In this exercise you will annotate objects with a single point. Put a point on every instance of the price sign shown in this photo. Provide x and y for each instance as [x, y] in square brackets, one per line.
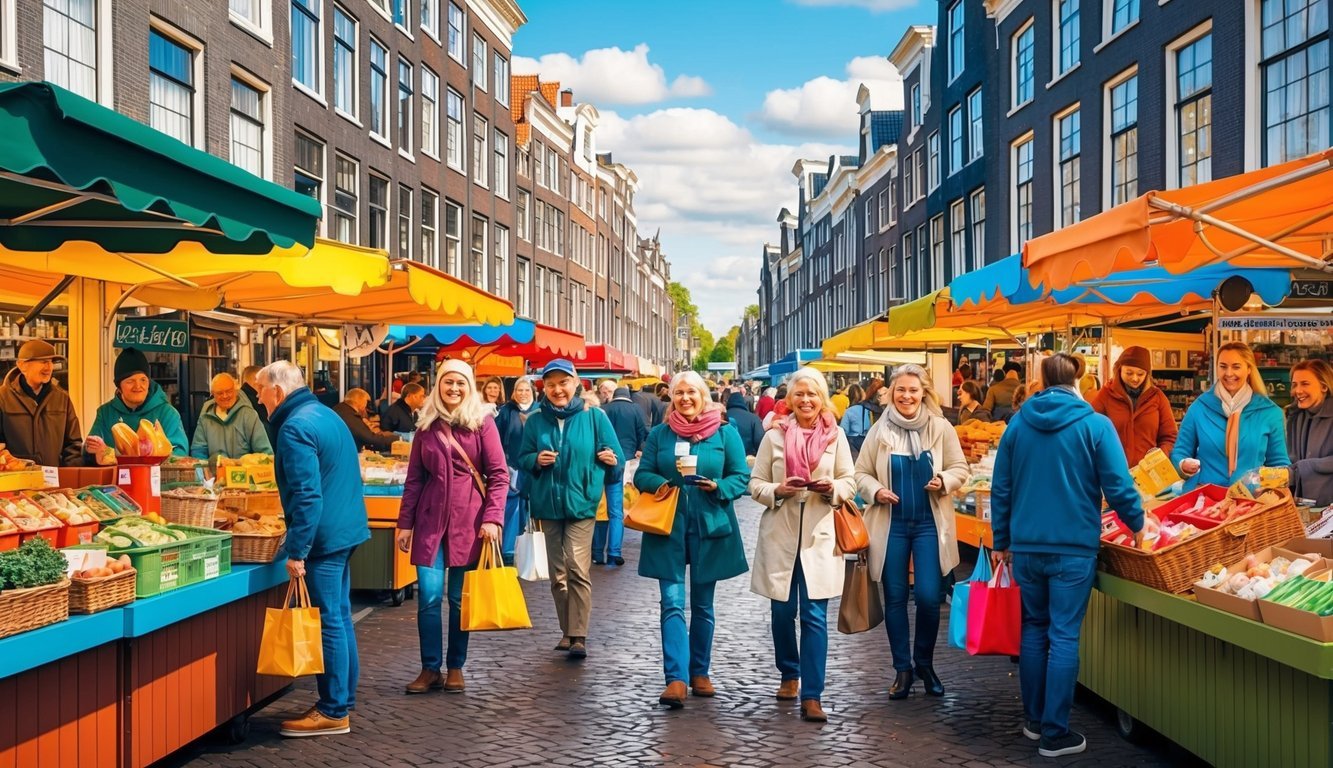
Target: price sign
[50, 477]
[211, 567]
[153, 335]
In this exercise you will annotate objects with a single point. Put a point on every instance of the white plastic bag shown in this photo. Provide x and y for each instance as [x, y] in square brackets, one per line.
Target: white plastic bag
[530, 554]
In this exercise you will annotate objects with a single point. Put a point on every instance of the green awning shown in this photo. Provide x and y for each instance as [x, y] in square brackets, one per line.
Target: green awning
[73, 170]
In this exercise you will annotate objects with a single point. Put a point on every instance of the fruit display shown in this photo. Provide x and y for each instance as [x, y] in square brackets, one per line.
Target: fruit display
[978, 437]
[68, 510]
[149, 440]
[132, 532]
[1219, 511]
[107, 502]
[377, 469]
[6, 525]
[113, 566]
[1304, 594]
[11, 463]
[27, 514]
[253, 470]
[267, 525]
[1253, 577]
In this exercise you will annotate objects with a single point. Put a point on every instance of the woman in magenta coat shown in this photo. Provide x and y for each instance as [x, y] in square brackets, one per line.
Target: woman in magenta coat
[453, 504]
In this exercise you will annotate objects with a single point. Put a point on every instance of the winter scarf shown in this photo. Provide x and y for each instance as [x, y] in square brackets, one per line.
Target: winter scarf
[903, 430]
[1232, 406]
[701, 428]
[801, 452]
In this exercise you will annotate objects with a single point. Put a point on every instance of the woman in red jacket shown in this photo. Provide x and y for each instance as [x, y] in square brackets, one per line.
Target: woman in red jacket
[1138, 409]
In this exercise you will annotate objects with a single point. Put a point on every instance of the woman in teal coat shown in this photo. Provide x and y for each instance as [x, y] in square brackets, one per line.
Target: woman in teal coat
[1233, 427]
[704, 535]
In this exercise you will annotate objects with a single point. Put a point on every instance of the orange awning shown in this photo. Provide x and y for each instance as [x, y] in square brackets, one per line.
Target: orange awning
[1280, 216]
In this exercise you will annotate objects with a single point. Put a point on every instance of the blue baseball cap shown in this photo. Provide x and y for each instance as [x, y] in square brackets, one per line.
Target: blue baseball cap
[559, 365]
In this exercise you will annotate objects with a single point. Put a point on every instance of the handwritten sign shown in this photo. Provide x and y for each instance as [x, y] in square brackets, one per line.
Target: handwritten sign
[153, 335]
[1311, 289]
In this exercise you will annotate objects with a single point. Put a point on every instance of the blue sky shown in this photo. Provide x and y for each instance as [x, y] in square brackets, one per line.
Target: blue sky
[711, 102]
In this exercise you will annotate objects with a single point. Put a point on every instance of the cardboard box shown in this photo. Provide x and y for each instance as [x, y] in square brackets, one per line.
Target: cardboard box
[1299, 622]
[1240, 606]
[1301, 547]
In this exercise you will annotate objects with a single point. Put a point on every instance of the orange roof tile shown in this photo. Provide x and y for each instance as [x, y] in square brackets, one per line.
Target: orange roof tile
[520, 86]
[552, 92]
[523, 135]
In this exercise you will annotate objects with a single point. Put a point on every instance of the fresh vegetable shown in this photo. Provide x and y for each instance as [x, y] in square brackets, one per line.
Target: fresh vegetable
[34, 564]
[149, 440]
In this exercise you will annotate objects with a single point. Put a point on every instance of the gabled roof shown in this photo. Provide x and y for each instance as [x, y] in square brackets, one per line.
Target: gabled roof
[519, 88]
[886, 127]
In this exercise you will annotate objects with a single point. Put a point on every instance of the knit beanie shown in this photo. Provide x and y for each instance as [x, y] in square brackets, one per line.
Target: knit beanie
[1137, 357]
[129, 362]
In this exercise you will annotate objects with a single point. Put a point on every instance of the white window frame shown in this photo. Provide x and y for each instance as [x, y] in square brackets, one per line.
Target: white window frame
[354, 114]
[460, 55]
[501, 248]
[933, 162]
[500, 65]
[103, 56]
[261, 29]
[958, 237]
[389, 91]
[407, 24]
[976, 130]
[430, 105]
[976, 204]
[1108, 139]
[480, 58]
[430, 19]
[404, 216]
[500, 152]
[454, 265]
[1015, 239]
[457, 159]
[1058, 41]
[9, 58]
[323, 176]
[315, 93]
[198, 116]
[479, 279]
[956, 162]
[957, 46]
[389, 189]
[1169, 114]
[1290, 52]
[1109, 30]
[333, 209]
[1014, 66]
[1057, 175]
[523, 215]
[430, 256]
[916, 106]
[937, 234]
[406, 129]
[481, 159]
[265, 115]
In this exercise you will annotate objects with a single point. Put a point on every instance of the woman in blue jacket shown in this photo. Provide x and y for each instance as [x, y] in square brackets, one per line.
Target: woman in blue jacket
[1233, 427]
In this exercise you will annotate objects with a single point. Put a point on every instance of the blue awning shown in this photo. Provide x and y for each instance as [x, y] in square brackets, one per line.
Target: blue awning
[519, 332]
[758, 373]
[793, 360]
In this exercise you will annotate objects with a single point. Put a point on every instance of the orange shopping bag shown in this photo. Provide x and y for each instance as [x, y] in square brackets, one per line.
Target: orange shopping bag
[291, 645]
[492, 597]
[654, 512]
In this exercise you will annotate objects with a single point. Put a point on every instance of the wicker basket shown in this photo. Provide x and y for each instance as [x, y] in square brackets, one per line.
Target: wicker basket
[1176, 568]
[183, 507]
[25, 609]
[251, 503]
[93, 595]
[256, 547]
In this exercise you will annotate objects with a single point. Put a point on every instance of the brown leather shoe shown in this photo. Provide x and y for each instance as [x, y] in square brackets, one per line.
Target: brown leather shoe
[315, 723]
[674, 695]
[429, 680]
[702, 687]
[812, 712]
[453, 682]
[789, 690]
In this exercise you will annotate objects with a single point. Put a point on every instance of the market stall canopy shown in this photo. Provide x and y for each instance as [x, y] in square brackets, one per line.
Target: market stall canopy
[71, 169]
[520, 331]
[548, 343]
[793, 360]
[1281, 216]
[758, 373]
[601, 357]
[875, 336]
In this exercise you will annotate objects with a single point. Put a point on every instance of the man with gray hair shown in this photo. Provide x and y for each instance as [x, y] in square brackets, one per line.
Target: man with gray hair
[352, 410]
[228, 425]
[319, 480]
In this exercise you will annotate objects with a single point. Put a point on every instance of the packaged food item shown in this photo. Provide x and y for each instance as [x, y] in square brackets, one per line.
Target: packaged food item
[1155, 473]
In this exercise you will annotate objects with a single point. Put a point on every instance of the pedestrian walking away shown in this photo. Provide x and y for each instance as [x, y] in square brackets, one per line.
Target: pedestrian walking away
[803, 472]
[510, 420]
[453, 504]
[319, 483]
[568, 452]
[910, 463]
[746, 423]
[631, 430]
[700, 456]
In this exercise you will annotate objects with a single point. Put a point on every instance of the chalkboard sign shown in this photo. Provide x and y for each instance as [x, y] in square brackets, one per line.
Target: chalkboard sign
[152, 335]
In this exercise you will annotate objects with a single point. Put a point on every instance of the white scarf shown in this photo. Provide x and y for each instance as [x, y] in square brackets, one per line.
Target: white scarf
[904, 431]
[1233, 403]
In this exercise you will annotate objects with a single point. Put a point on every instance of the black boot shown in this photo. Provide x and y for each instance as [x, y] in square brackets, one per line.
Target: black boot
[931, 681]
[902, 685]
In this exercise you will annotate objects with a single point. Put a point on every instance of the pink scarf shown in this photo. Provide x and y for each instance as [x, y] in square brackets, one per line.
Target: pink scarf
[803, 454]
[699, 430]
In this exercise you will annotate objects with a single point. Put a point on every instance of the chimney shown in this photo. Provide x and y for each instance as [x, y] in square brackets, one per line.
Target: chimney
[567, 98]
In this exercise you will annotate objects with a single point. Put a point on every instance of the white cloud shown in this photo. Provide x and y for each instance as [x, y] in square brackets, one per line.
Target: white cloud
[605, 76]
[825, 107]
[874, 6]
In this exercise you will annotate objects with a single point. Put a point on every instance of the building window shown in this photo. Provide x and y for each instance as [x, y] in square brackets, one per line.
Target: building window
[869, 217]
[1125, 140]
[453, 239]
[479, 62]
[1022, 192]
[893, 201]
[956, 49]
[883, 210]
[922, 252]
[958, 238]
[378, 222]
[69, 37]
[430, 112]
[405, 105]
[1194, 110]
[479, 252]
[522, 211]
[343, 208]
[937, 253]
[1123, 13]
[171, 87]
[933, 161]
[404, 222]
[248, 12]
[454, 128]
[430, 17]
[501, 79]
[247, 127]
[479, 159]
[539, 227]
[916, 105]
[978, 204]
[379, 89]
[344, 62]
[1067, 34]
[1025, 75]
[1070, 150]
[306, 65]
[401, 12]
[455, 41]
[1296, 79]
[309, 162]
[955, 139]
[976, 142]
[522, 297]
[501, 171]
[500, 258]
[430, 217]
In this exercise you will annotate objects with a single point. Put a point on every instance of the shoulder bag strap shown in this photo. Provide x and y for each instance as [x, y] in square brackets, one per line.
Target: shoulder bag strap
[447, 437]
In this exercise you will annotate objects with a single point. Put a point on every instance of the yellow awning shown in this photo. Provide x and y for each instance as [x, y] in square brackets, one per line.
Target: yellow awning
[875, 335]
[915, 315]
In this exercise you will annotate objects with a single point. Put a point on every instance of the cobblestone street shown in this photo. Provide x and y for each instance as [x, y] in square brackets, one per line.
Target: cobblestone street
[528, 706]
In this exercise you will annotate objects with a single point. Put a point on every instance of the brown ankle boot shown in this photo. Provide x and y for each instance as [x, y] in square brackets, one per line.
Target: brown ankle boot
[428, 680]
[673, 696]
[789, 690]
[702, 687]
[812, 712]
[453, 681]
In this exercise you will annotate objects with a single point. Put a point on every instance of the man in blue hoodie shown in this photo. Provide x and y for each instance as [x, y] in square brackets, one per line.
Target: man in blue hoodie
[1057, 460]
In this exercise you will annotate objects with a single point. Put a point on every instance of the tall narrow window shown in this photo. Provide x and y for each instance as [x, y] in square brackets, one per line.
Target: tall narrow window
[454, 125]
[958, 238]
[343, 207]
[922, 265]
[430, 17]
[404, 222]
[344, 62]
[479, 62]
[955, 139]
[430, 218]
[405, 124]
[306, 44]
[916, 105]
[501, 171]
[1125, 140]
[69, 39]
[1124, 13]
[478, 253]
[978, 205]
[1067, 33]
[1194, 110]
[480, 160]
[522, 294]
[401, 12]
[456, 42]
[309, 166]
[500, 261]
[933, 162]
[453, 239]
[937, 253]
[522, 214]
[1070, 152]
[247, 127]
[430, 112]
[245, 10]
[1296, 79]
[1024, 64]
[378, 235]
[976, 141]
[957, 52]
[909, 183]
[1023, 192]
[171, 87]
[379, 89]
[501, 79]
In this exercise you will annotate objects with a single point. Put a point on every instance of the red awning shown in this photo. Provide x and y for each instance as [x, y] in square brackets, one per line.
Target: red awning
[547, 344]
[602, 357]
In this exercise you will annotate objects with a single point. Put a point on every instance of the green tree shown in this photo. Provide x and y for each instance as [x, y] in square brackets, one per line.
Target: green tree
[751, 311]
[680, 296]
[723, 352]
[732, 335]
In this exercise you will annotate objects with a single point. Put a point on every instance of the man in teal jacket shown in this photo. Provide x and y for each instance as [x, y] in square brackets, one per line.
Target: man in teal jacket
[137, 397]
[228, 425]
[568, 453]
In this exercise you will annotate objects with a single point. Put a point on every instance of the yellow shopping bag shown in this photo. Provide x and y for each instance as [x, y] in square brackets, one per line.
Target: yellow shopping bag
[602, 515]
[492, 597]
[291, 645]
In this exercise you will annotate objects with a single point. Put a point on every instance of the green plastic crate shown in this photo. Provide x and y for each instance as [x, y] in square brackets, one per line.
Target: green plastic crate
[207, 557]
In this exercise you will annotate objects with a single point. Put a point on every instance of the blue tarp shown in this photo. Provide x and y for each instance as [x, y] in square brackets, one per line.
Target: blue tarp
[519, 332]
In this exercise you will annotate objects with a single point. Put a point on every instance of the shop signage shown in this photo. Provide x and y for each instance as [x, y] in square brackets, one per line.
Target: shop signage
[361, 340]
[153, 335]
[1311, 289]
[1275, 323]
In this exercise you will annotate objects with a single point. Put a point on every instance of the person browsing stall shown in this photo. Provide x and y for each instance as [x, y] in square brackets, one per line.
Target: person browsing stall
[37, 418]
[401, 417]
[969, 403]
[137, 397]
[1310, 431]
[352, 410]
[228, 425]
[1139, 411]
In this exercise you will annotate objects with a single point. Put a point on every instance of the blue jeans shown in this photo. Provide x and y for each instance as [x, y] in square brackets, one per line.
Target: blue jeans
[608, 536]
[917, 542]
[686, 650]
[806, 660]
[329, 580]
[430, 581]
[1055, 591]
[516, 519]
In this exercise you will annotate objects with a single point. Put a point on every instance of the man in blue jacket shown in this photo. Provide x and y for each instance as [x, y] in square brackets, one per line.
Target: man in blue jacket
[319, 480]
[1056, 461]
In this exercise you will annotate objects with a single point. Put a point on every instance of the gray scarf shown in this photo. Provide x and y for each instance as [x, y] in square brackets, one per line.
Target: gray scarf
[1232, 403]
[907, 431]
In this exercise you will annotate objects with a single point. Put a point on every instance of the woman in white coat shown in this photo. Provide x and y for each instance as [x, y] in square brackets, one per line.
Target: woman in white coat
[911, 461]
[803, 471]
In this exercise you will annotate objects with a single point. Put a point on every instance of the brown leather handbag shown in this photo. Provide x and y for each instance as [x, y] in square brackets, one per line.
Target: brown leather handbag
[849, 529]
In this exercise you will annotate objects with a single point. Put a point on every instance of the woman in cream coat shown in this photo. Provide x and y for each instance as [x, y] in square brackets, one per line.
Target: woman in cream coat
[803, 471]
[909, 464]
